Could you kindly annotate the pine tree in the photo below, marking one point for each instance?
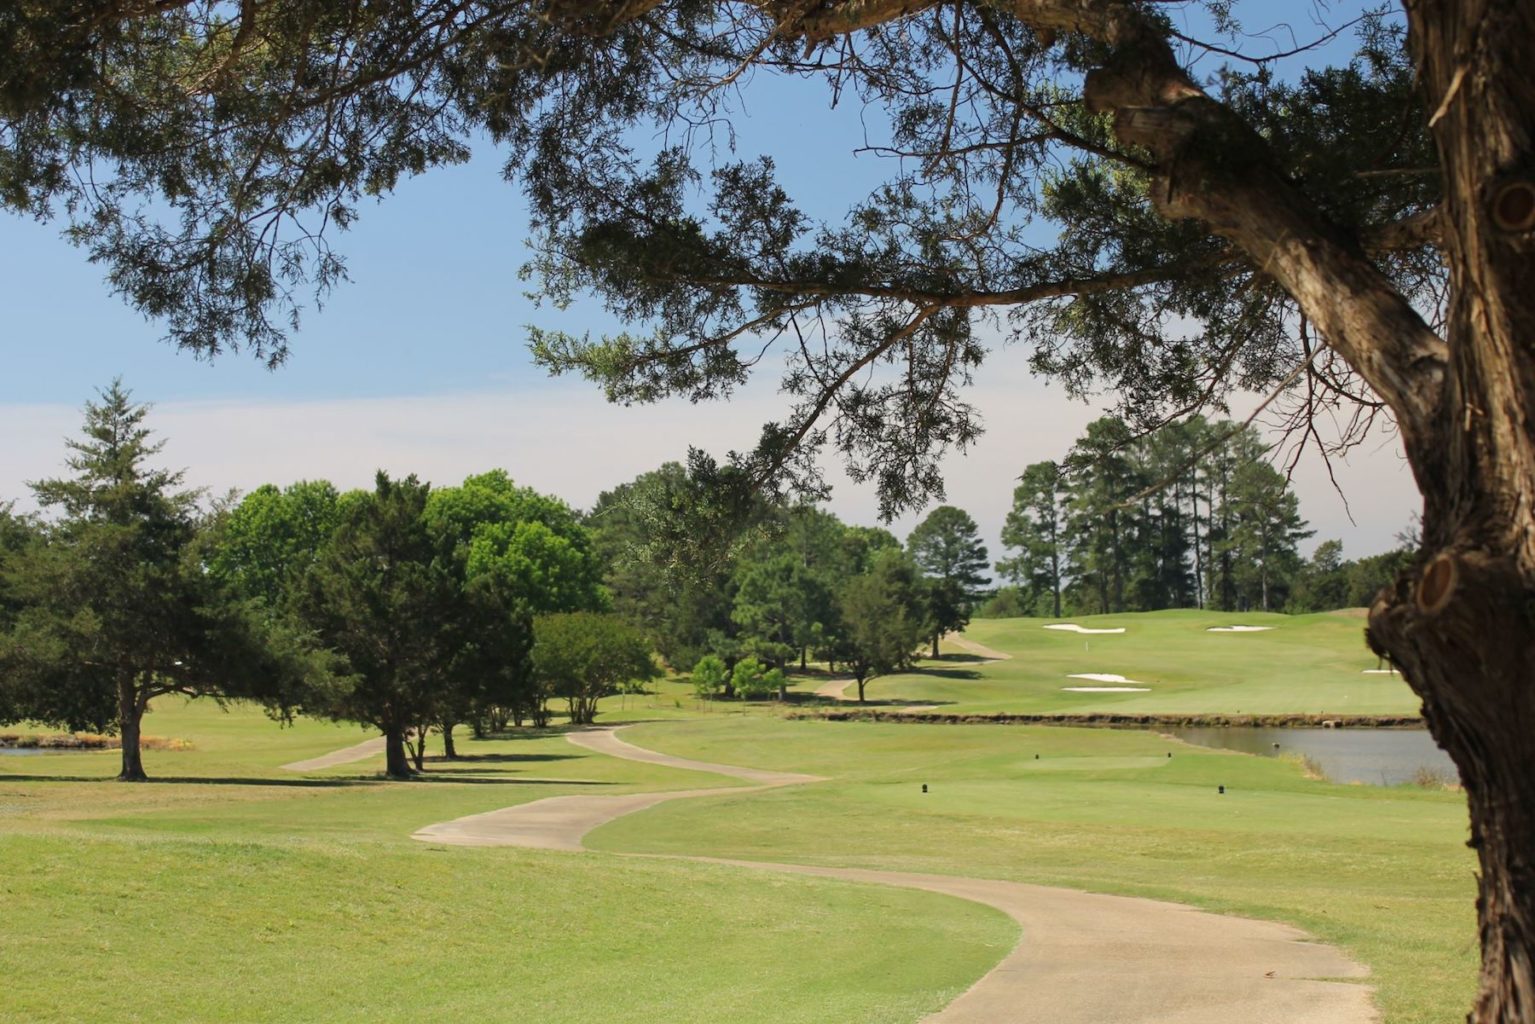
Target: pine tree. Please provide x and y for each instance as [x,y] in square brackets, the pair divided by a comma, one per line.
[116,608]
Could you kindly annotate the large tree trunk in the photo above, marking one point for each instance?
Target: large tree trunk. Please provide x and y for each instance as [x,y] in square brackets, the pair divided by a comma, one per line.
[449,751]
[130,714]
[396,764]
[1460,632]
[1462,626]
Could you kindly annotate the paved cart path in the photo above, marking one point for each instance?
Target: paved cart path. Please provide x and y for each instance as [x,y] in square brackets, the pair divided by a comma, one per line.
[357,752]
[1083,958]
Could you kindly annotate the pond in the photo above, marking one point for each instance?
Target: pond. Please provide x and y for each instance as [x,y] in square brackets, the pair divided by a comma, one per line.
[1379,757]
[32,751]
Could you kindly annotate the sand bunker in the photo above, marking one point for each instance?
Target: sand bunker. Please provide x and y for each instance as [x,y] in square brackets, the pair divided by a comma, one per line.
[1238,629]
[1134,685]
[1106,689]
[1072,627]
[1380,672]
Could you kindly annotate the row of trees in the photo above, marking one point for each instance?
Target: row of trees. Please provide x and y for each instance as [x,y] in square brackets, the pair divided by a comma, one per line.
[1187,516]
[404,607]
[741,584]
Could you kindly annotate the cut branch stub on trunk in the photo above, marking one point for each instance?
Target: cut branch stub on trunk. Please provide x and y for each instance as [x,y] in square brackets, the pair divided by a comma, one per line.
[1462,635]
[1437,584]
[1513,206]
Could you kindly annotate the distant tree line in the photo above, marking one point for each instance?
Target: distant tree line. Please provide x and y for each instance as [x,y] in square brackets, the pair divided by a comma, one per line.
[1189,516]
[741,585]
[403,607]
[416,609]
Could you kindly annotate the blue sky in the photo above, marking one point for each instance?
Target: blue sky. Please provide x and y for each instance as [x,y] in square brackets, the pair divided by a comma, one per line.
[419,365]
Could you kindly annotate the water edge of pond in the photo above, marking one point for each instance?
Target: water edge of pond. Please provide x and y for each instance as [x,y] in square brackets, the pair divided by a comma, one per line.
[1377,757]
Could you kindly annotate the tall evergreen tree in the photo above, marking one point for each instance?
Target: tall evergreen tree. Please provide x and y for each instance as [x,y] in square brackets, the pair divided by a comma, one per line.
[1034,527]
[115,607]
[381,595]
[881,617]
[1101,528]
[1266,530]
[947,547]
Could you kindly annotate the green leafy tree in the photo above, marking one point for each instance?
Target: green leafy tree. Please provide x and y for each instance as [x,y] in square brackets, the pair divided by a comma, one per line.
[749,679]
[781,605]
[267,542]
[1323,581]
[16,534]
[1033,528]
[112,607]
[380,595]
[585,656]
[514,554]
[710,677]
[947,547]
[1149,212]
[879,623]
[672,540]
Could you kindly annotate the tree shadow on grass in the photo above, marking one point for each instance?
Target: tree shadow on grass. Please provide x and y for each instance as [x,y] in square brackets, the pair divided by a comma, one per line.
[195,780]
[499,758]
[336,783]
[962,657]
[449,778]
[969,675]
[815,700]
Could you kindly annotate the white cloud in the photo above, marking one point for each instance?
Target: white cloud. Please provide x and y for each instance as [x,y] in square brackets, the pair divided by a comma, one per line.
[567,441]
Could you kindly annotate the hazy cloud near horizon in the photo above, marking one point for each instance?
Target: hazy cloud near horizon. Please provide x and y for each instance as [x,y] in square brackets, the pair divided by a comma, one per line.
[567,441]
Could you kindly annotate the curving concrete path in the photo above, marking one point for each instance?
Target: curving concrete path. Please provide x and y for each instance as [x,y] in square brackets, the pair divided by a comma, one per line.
[836,689]
[357,752]
[1083,958]
[979,650]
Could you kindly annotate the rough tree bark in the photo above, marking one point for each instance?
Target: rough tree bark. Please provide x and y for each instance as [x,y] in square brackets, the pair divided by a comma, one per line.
[396,764]
[1462,625]
[130,716]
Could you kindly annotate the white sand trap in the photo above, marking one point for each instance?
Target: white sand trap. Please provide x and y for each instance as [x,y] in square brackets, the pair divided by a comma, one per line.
[1072,627]
[1133,685]
[1380,672]
[1238,629]
[1107,689]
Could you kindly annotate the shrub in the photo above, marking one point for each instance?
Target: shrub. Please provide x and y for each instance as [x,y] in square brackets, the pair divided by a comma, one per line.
[709,677]
[750,680]
[1429,777]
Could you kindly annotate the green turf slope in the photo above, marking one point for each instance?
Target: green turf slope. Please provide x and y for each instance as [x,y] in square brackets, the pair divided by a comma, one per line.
[1313,664]
[230,891]
[1382,872]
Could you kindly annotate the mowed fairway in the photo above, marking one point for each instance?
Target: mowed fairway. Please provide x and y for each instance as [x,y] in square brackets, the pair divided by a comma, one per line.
[1383,873]
[233,891]
[1313,664]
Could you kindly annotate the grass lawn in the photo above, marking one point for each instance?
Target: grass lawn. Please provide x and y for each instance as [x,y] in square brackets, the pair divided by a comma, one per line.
[1305,663]
[1382,872]
[231,891]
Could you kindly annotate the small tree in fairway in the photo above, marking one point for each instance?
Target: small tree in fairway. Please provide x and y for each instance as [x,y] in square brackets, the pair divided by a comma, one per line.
[585,656]
[879,625]
[114,607]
